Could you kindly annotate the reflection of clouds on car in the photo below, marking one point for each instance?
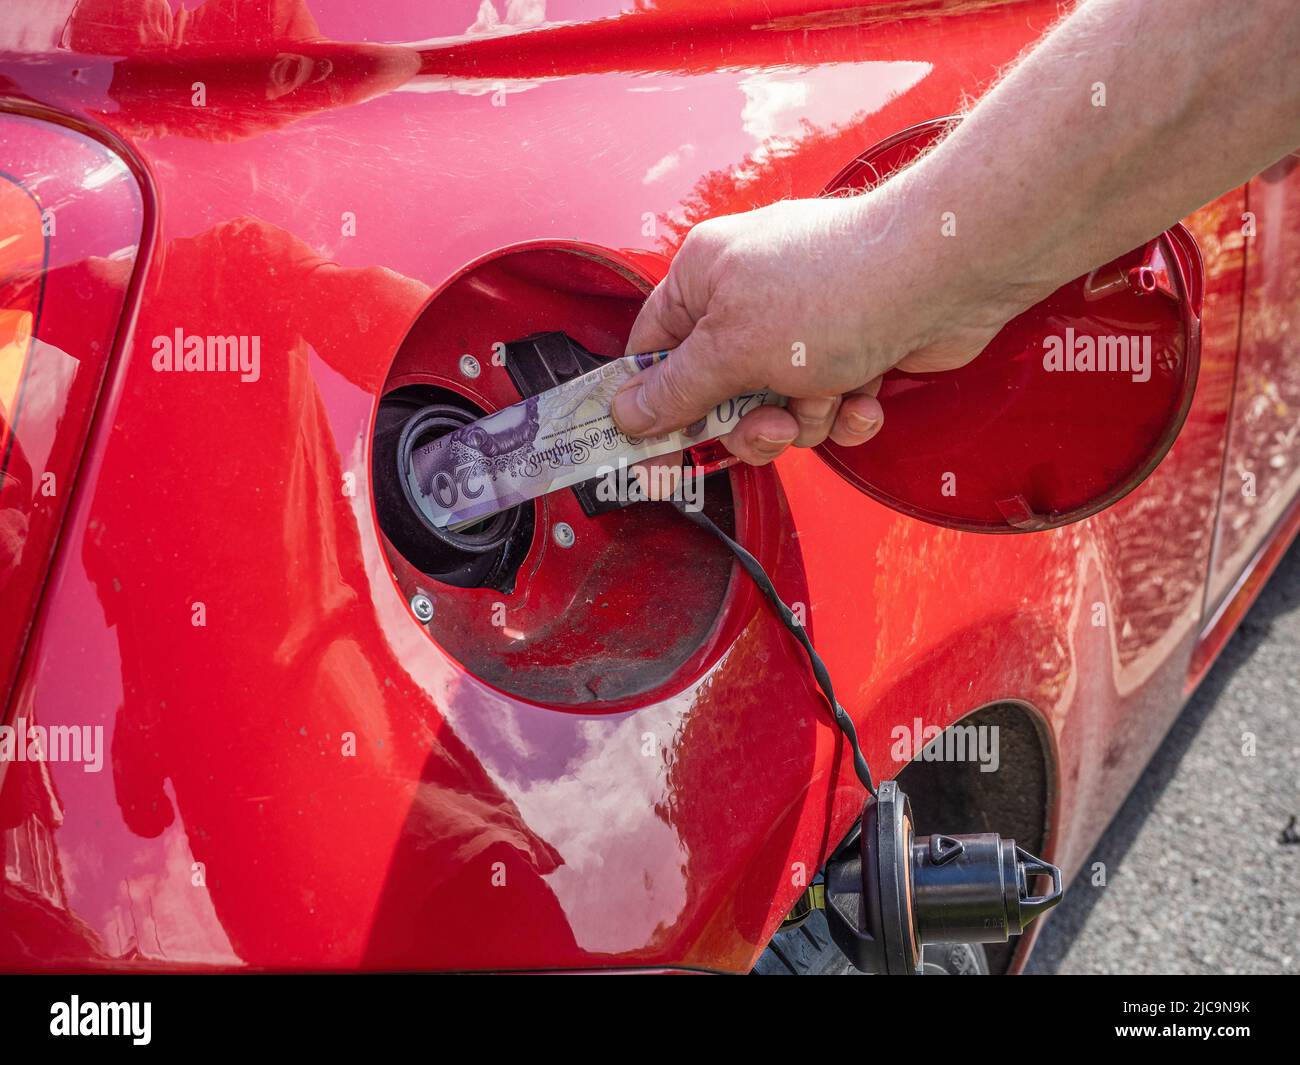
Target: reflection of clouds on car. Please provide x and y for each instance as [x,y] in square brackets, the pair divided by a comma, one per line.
[174,55]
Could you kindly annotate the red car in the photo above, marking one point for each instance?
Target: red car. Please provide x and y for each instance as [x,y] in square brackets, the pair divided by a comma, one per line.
[257,719]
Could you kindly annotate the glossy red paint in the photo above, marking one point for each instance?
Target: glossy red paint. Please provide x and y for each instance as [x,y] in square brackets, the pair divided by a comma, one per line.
[1005,445]
[309,779]
[568,635]
[1261,476]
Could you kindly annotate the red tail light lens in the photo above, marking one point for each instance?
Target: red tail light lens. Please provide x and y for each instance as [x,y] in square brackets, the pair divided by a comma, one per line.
[71,217]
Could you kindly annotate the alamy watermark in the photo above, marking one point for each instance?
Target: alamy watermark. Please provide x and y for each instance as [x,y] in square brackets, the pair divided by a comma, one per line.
[956,743]
[74,1017]
[23,742]
[1090,354]
[627,484]
[179,353]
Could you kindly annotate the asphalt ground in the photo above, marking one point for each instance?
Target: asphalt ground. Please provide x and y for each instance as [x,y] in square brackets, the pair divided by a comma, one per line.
[1197,877]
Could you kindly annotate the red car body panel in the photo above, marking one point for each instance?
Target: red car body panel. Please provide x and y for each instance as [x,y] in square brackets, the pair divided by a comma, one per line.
[470,828]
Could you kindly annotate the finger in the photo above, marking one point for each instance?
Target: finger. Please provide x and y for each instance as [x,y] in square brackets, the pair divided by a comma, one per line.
[859,419]
[815,416]
[681,389]
[664,320]
[762,435]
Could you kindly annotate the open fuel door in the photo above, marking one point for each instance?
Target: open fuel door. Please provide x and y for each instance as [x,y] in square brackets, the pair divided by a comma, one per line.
[1068,409]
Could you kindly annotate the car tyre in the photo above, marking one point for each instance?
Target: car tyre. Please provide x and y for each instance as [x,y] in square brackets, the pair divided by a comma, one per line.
[808,950]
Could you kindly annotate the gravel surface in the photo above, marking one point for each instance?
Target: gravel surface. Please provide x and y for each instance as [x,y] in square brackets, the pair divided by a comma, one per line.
[1198,880]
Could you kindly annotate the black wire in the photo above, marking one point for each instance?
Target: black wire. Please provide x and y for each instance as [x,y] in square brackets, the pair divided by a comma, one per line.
[751,566]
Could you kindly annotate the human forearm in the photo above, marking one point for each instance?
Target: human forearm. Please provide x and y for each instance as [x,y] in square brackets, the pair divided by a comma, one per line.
[1130,115]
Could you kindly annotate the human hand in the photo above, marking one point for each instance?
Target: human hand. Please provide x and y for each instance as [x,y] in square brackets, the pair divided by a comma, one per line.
[814,299]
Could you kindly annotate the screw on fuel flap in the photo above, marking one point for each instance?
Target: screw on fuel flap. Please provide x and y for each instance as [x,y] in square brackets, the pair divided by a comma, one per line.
[888,892]
[422,606]
[469,367]
[885,892]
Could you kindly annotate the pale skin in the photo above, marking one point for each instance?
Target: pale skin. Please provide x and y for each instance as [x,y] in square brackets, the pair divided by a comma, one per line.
[1043,184]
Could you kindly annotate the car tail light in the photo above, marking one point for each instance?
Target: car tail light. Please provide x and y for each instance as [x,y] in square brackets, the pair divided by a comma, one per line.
[71,218]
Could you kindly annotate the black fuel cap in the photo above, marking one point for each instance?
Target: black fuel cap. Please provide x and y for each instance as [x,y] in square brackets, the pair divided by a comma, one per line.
[895,891]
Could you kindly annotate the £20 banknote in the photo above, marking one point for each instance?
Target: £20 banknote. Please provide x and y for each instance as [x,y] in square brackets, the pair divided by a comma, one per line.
[549,441]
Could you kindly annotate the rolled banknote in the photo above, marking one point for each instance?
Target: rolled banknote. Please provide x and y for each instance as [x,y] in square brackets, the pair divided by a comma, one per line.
[549,441]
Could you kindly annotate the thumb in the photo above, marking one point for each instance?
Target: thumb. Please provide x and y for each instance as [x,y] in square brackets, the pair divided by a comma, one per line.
[684,387]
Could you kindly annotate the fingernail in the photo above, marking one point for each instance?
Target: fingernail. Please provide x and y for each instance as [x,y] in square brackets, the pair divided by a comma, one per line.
[860,423]
[771,445]
[630,412]
[814,410]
